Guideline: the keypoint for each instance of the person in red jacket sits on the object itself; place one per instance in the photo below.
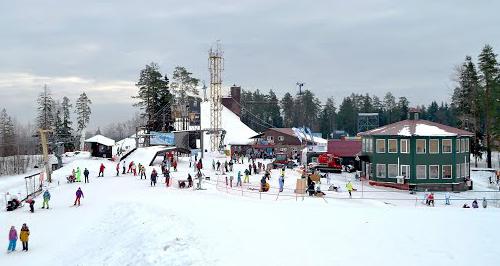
(101, 170)
(174, 165)
(430, 200)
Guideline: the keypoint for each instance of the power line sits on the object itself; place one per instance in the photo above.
(244, 108)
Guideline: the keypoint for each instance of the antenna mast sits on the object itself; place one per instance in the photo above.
(215, 66)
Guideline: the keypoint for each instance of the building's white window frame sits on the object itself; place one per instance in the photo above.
(270, 139)
(377, 145)
(442, 171)
(463, 145)
(467, 144)
(394, 141)
(437, 146)
(416, 146)
(463, 168)
(425, 171)
(430, 175)
(377, 172)
(457, 145)
(389, 172)
(363, 145)
(370, 144)
(281, 138)
(404, 148)
(467, 170)
(443, 145)
(407, 170)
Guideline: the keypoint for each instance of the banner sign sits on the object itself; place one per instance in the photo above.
(160, 138)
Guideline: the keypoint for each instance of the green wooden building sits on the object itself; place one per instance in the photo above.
(417, 154)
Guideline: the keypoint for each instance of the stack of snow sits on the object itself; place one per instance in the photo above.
(237, 133)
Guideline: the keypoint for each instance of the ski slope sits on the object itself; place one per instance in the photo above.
(125, 221)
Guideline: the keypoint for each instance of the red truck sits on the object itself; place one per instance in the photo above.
(328, 162)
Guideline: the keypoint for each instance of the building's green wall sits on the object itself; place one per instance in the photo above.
(413, 159)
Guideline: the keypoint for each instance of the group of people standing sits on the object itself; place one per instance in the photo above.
(23, 237)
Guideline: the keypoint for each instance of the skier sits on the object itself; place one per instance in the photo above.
(247, 176)
(238, 180)
(31, 202)
(86, 175)
(117, 169)
(349, 188)
(166, 174)
(154, 175)
(485, 203)
(79, 194)
(447, 198)
(46, 198)
(24, 236)
(12, 239)
(281, 181)
(78, 174)
(101, 170)
(142, 170)
(190, 180)
(124, 167)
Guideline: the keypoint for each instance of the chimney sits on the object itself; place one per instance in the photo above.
(414, 114)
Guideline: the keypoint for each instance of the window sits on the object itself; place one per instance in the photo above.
(467, 145)
(433, 171)
(467, 170)
(433, 146)
(421, 146)
(404, 146)
(380, 145)
(463, 169)
(405, 171)
(421, 171)
(370, 145)
(392, 170)
(463, 145)
(393, 145)
(446, 169)
(458, 145)
(381, 170)
(281, 138)
(446, 145)
(270, 139)
(363, 145)
(283, 149)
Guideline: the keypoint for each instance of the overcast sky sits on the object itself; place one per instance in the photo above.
(335, 47)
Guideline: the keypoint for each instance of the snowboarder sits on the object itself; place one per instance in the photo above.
(79, 194)
(117, 169)
(154, 175)
(124, 167)
(78, 174)
(46, 198)
(247, 176)
(24, 236)
(190, 180)
(281, 181)
(86, 175)
(12, 239)
(101, 170)
(474, 204)
(349, 188)
(485, 203)
(238, 180)
(166, 174)
(31, 202)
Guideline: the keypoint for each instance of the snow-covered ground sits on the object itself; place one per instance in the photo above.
(125, 221)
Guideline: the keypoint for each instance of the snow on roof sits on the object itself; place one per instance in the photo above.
(101, 140)
(320, 140)
(416, 128)
(237, 133)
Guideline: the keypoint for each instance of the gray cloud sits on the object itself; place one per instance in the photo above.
(336, 47)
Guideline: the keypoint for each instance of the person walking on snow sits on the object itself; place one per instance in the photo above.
(12, 239)
(143, 172)
(46, 198)
(485, 203)
(281, 182)
(124, 167)
(174, 165)
(199, 165)
(134, 169)
(154, 175)
(79, 194)
(238, 180)
(166, 174)
(78, 174)
(86, 175)
(447, 198)
(24, 236)
(213, 164)
(31, 202)
(130, 167)
(117, 169)
(218, 165)
(349, 188)
(247, 176)
(101, 170)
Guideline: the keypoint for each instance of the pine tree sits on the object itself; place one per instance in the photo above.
(287, 106)
(347, 116)
(327, 118)
(45, 118)
(490, 81)
(154, 98)
(7, 135)
(389, 107)
(83, 111)
(273, 109)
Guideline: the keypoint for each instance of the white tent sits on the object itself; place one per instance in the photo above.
(101, 140)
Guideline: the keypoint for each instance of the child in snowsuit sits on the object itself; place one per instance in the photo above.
(79, 194)
(24, 236)
(349, 188)
(12, 239)
(123, 167)
(117, 169)
(101, 170)
(166, 174)
(281, 181)
(46, 198)
(247, 176)
(154, 175)
(190, 180)
(143, 172)
(78, 175)
(238, 180)
(86, 175)
(31, 202)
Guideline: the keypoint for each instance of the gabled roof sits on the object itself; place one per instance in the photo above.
(344, 148)
(416, 128)
(101, 140)
(286, 131)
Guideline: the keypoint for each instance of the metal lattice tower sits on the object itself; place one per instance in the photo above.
(367, 121)
(215, 66)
